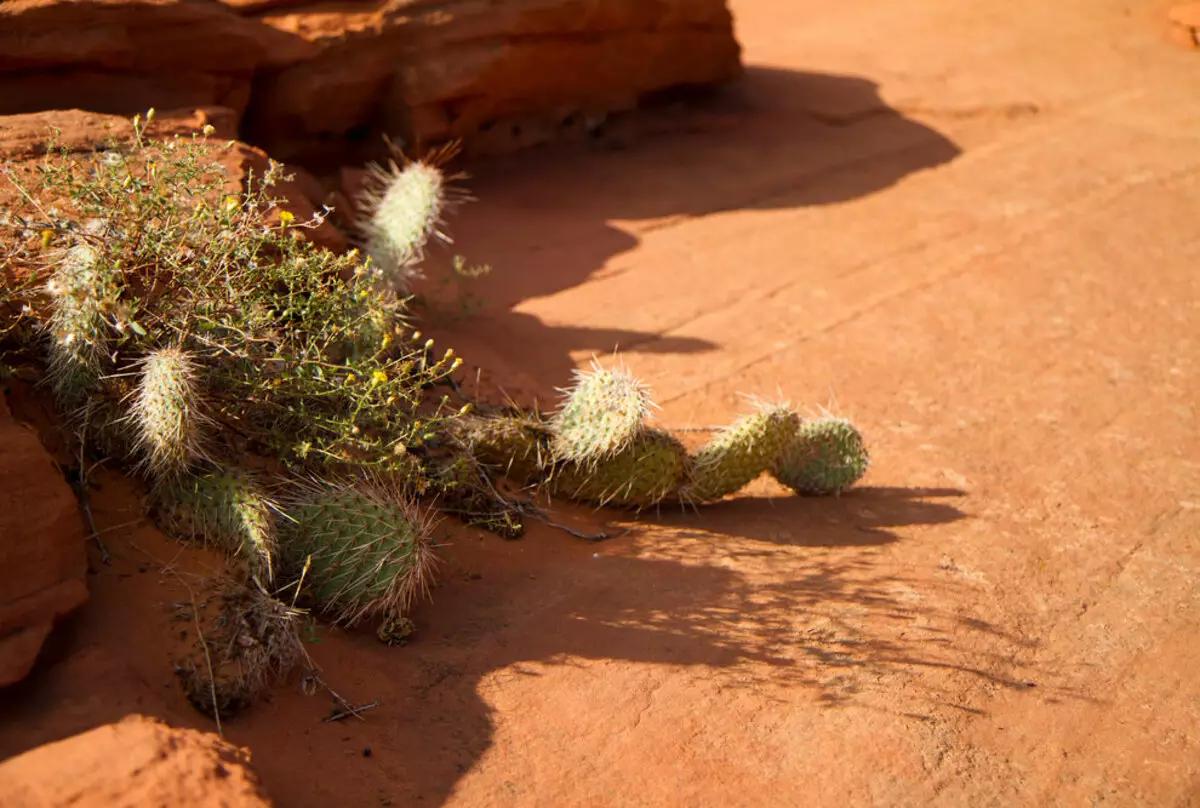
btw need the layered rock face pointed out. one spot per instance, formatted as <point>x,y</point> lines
<point>311,81</point>
<point>42,559</point>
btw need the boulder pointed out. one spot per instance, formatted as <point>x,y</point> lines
<point>315,84</point>
<point>135,762</point>
<point>42,556</point>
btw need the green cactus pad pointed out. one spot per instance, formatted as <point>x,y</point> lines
<point>227,509</point>
<point>368,551</point>
<point>166,412</point>
<point>643,474</point>
<point>740,453</point>
<point>517,446</point>
<point>601,416</point>
<point>825,456</point>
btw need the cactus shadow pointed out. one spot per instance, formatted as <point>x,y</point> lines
<point>861,516</point>
<point>530,642</point>
<point>551,219</point>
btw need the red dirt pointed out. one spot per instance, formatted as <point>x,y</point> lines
<point>974,225</point>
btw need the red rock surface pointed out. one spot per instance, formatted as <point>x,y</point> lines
<point>134,763</point>
<point>970,226</point>
<point>1185,24</point>
<point>42,559</point>
<point>319,81</point>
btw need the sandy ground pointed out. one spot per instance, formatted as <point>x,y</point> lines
<point>974,228</point>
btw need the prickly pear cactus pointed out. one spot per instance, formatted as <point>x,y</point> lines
<point>601,416</point>
<point>166,413</point>
<point>226,508</point>
<point>363,552</point>
<point>825,456</point>
<point>644,473</point>
<point>517,446</point>
<point>740,453</point>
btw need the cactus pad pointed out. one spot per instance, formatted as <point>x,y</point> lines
<point>740,453</point>
<point>825,456</point>
<point>77,329</point>
<point>518,446</point>
<point>642,474</point>
<point>227,509</point>
<point>601,416</point>
<point>403,208</point>
<point>166,412</point>
<point>368,551</point>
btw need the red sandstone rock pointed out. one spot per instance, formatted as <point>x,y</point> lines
<point>42,560</point>
<point>313,80</point>
<point>122,57</point>
<point>498,75</point>
<point>136,762</point>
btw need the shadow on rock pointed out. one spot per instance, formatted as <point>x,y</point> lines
<point>553,218</point>
<point>861,517</point>
<point>555,634</point>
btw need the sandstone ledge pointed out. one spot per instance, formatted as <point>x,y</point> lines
<point>316,84</point>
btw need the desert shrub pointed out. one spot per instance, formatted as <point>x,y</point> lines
<point>290,349</point>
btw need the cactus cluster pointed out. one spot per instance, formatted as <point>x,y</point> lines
<point>597,448</point>
<point>278,404</point>
<point>200,345</point>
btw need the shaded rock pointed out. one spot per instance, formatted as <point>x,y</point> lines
<point>122,57</point>
<point>135,762</point>
<point>500,76</point>
<point>42,558</point>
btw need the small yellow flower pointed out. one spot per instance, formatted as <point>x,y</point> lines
<point>47,237</point>
<point>351,380</point>
<point>231,202</point>
<point>208,129</point>
<point>379,377</point>
<point>286,217</point>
